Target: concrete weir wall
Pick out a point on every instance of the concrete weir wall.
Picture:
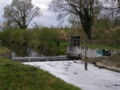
(77, 50)
(90, 52)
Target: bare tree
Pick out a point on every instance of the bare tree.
(20, 13)
(118, 4)
(86, 10)
(113, 7)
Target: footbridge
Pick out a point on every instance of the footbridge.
(40, 59)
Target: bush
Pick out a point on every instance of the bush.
(44, 40)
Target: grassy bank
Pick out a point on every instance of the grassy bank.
(100, 46)
(4, 49)
(16, 76)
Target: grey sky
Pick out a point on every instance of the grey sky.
(48, 18)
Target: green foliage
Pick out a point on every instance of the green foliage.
(4, 50)
(15, 36)
(100, 46)
(115, 34)
(103, 24)
(45, 40)
(16, 76)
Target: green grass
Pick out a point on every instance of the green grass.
(62, 48)
(16, 76)
(4, 50)
(64, 45)
(99, 46)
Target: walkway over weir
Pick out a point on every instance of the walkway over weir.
(40, 59)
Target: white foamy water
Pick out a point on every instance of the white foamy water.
(73, 72)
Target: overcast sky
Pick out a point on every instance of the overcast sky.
(48, 18)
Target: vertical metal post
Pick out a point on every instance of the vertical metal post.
(86, 64)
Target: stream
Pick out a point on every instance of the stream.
(73, 72)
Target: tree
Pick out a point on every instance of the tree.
(86, 10)
(115, 4)
(113, 8)
(74, 21)
(118, 4)
(20, 13)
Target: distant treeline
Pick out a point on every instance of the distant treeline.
(54, 41)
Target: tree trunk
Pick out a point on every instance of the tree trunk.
(118, 4)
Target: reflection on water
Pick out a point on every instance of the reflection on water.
(28, 53)
(21, 51)
(25, 51)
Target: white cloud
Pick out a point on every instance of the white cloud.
(42, 1)
(43, 4)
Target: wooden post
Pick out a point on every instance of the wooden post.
(86, 64)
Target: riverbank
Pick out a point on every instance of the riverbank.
(5, 52)
(111, 63)
(16, 76)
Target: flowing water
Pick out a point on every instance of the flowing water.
(74, 73)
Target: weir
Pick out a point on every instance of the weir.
(40, 59)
